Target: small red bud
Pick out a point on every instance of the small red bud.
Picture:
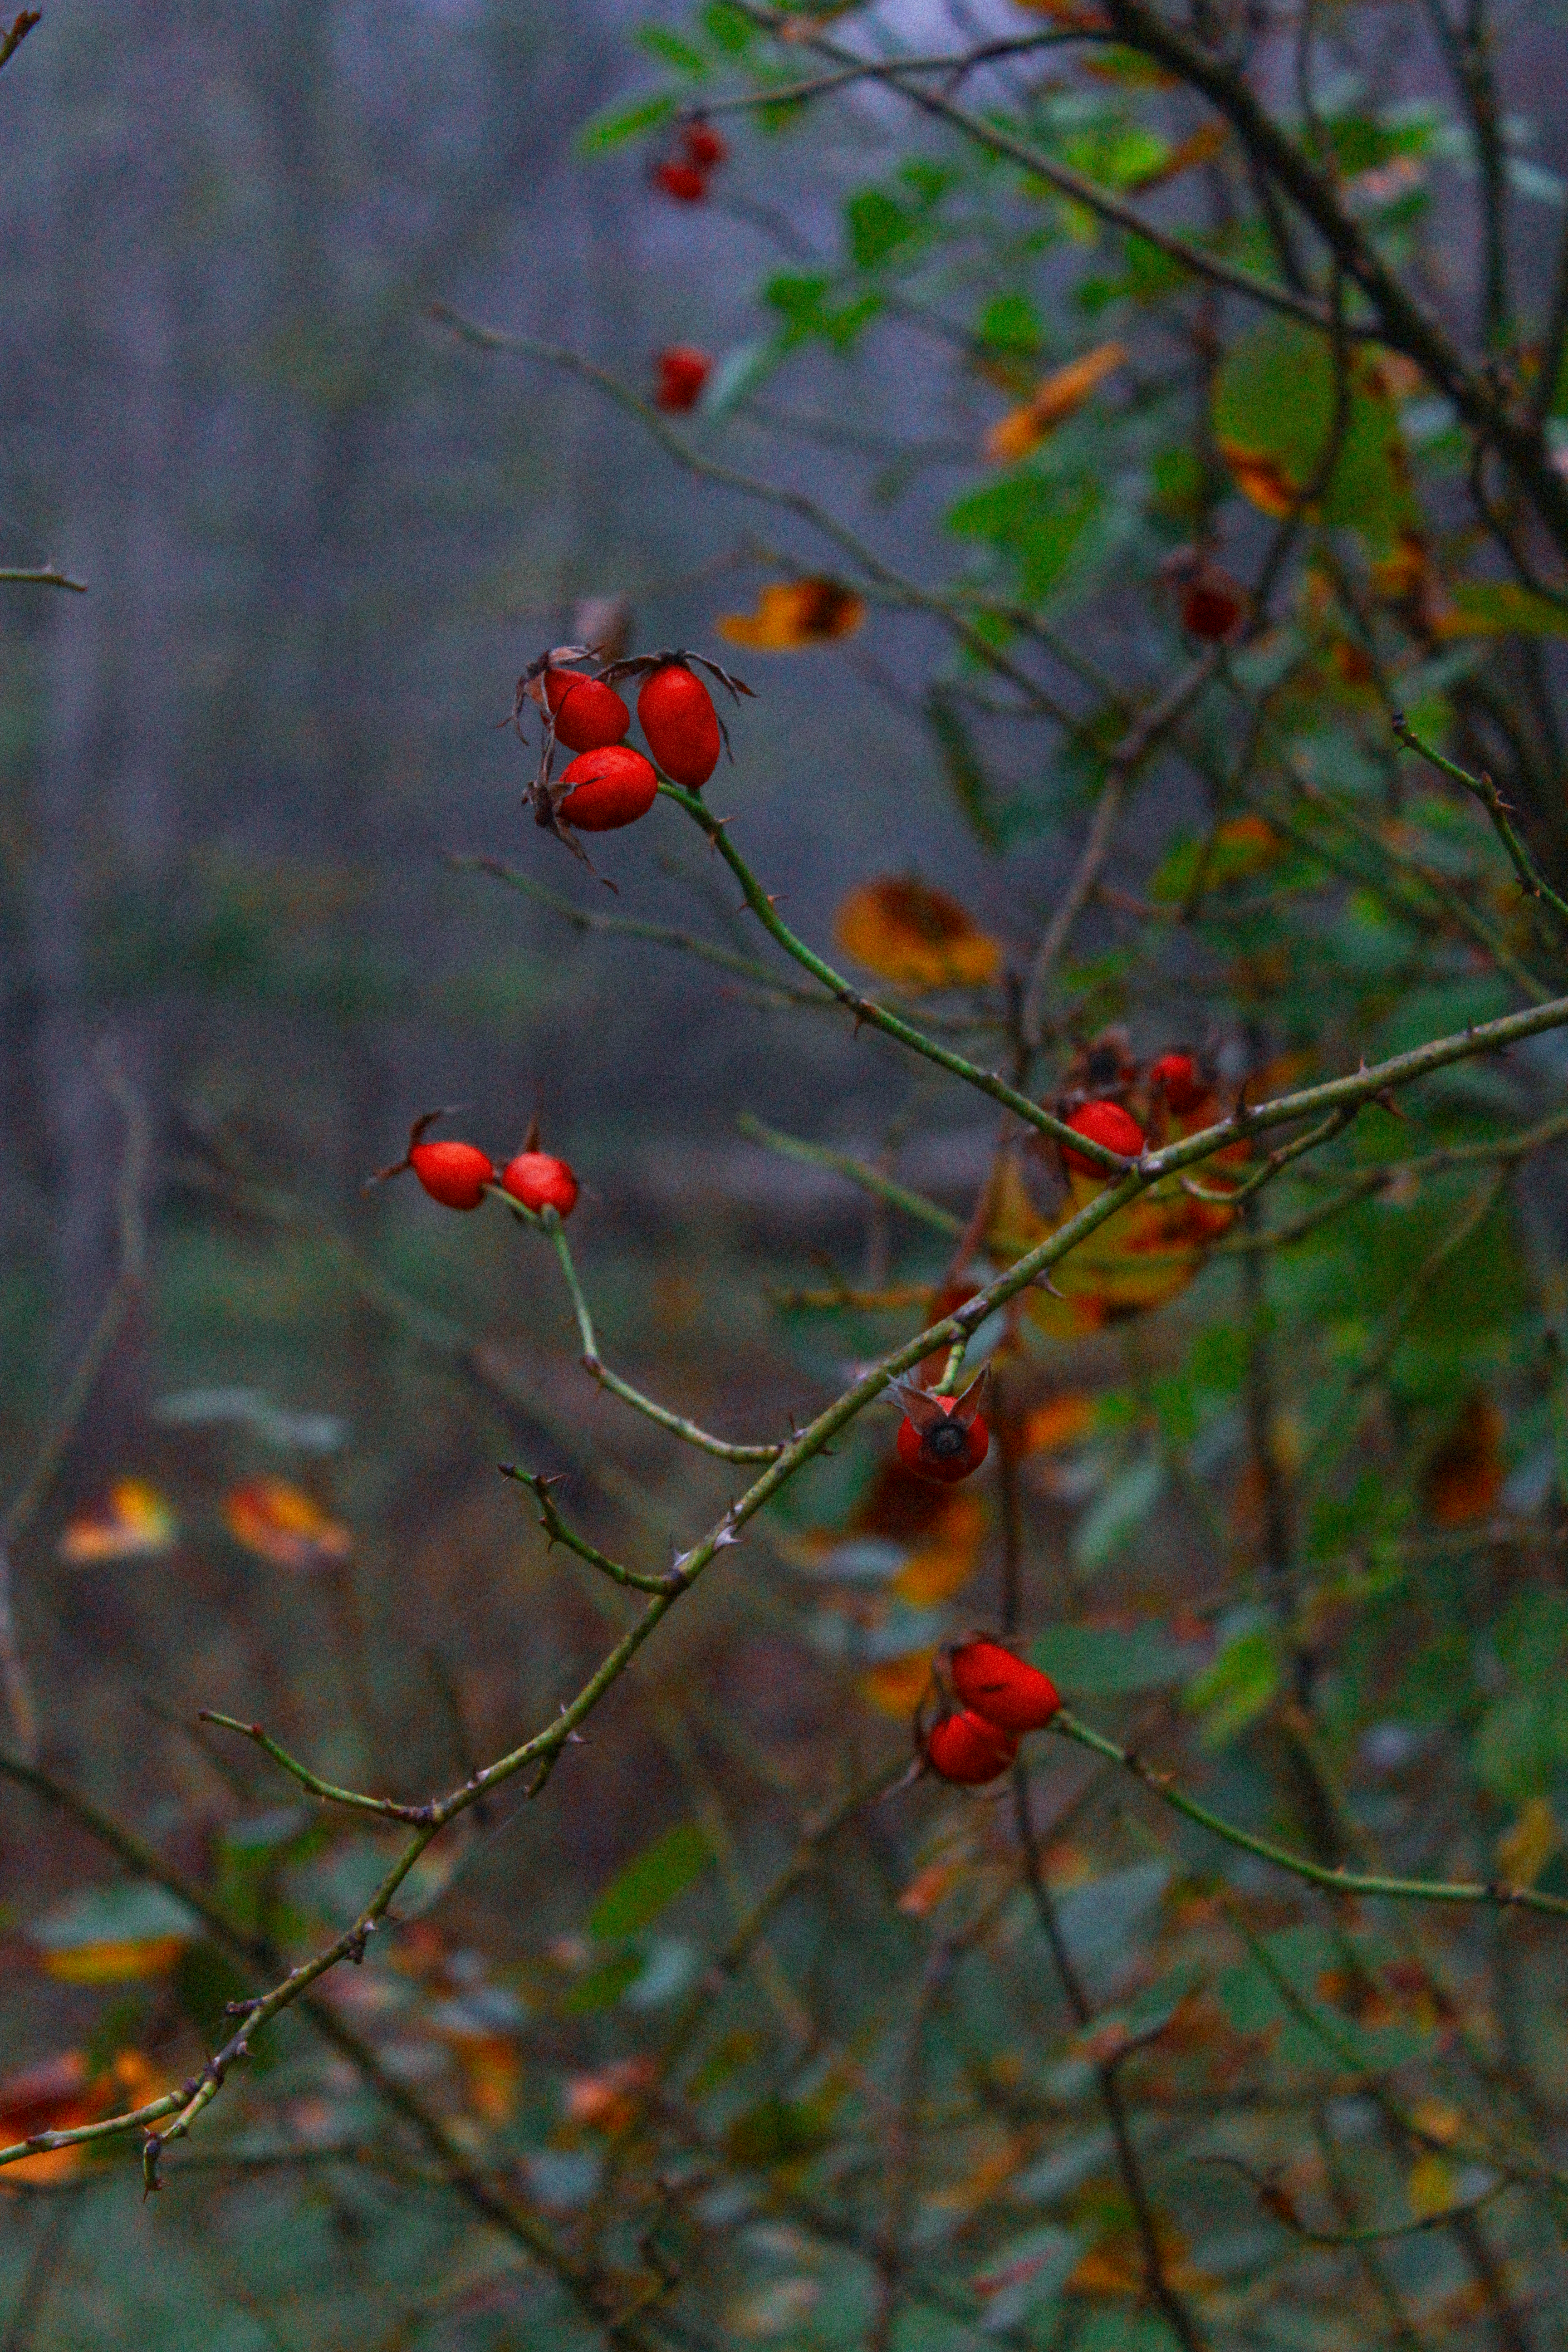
(946, 1452)
(1004, 1689)
(1178, 1077)
(681, 725)
(684, 182)
(608, 788)
(1106, 1123)
(704, 146)
(454, 1174)
(540, 1181)
(964, 1748)
(683, 371)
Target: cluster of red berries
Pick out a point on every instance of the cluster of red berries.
(997, 1697)
(608, 784)
(1174, 1078)
(459, 1174)
(685, 175)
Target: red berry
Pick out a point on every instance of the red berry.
(684, 182)
(608, 788)
(1177, 1076)
(1211, 608)
(540, 1181)
(704, 146)
(946, 1452)
(454, 1174)
(1106, 1123)
(681, 724)
(966, 1749)
(1006, 1690)
(589, 714)
(683, 371)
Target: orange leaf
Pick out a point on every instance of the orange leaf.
(1464, 1477)
(1260, 478)
(794, 613)
(609, 2101)
(914, 936)
(1051, 403)
(1060, 1422)
(945, 1563)
(927, 1887)
(134, 1522)
(1200, 147)
(282, 1524)
(897, 1687)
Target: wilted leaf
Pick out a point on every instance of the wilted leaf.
(777, 2131)
(61, 2094)
(914, 936)
(1432, 2186)
(284, 1525)
(134, 1522)
(927, 1887)
(1465, 1476)
(609, 2101)
(1242, 845)
(791, 614)
(487, 2060)
(1051, 404)
(113, 1935)
(1501, 608)
(1527, 1844)
(1275, 416)
(652, 1879)
(1116, 2268)
(944, 1561)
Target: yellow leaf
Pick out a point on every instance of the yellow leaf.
(491, 2071)
(791, 614)
(1438, 2120)
(282, 1524)
(126, 1960)
(134, 1522)
(1053, 401)
(897, 1687)
(1527, 1846)
(1432, 2186)
(914, 936)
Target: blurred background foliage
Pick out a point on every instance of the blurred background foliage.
(299, 304)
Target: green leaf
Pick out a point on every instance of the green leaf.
(607, 131)
(962, 767)
(1234, 1691)
(1011, 326)
(878, 224)
(1275, 412)
(132, 1912)
(670, 49)
(1118, 1513)
(809, 315)
(777, 2131)
(1095, 1661)
(727, 28)
(1503, 608)
(1035, 520)
(651, 1879)
(603, 1986)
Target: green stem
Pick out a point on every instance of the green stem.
(1531, 880)
(386, 1807)
(1334, 1880)
(558, 1531)
(869, 1180)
